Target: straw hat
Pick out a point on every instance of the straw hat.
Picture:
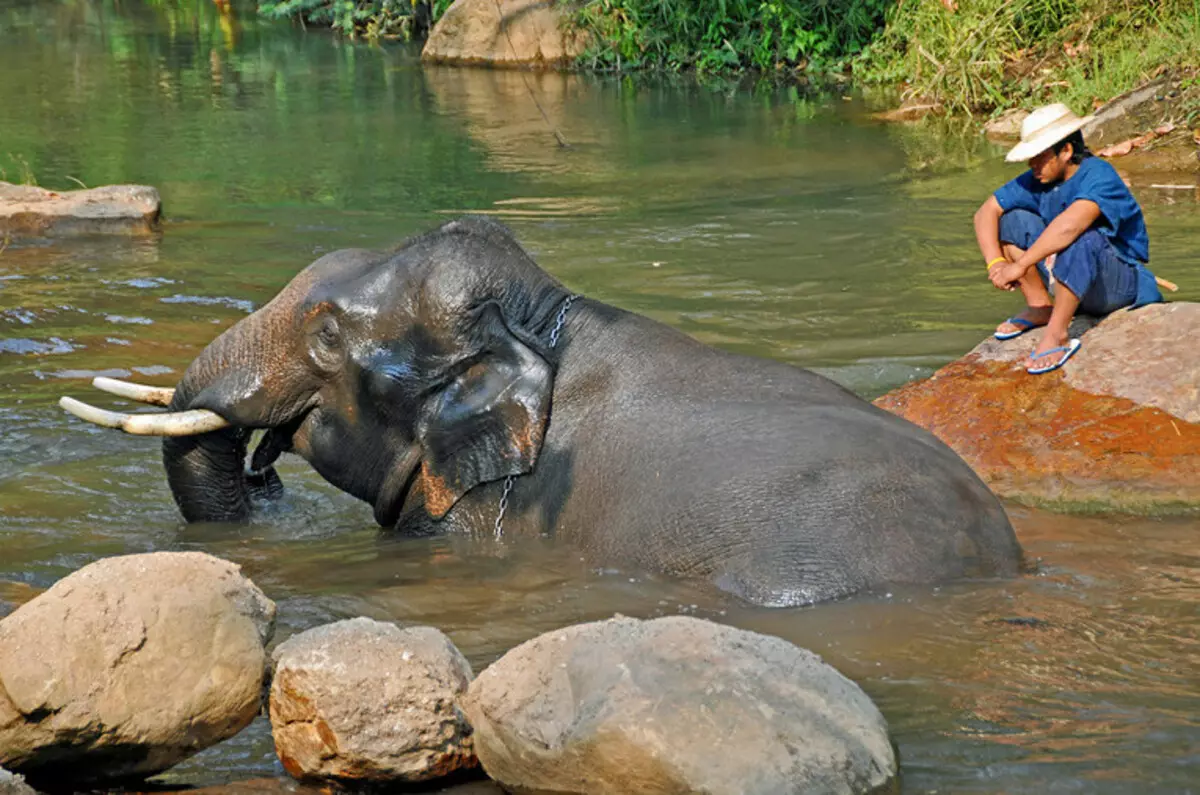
(1043, 128)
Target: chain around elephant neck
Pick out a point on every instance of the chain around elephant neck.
(508, 481)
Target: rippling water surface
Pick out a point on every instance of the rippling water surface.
(770, 221)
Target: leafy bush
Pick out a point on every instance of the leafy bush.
(727, 35)
(373, 19)
(993, 54)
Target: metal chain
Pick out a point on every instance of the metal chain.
(560, 320)
(508, 485)
(508, 481)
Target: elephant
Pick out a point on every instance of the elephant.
(455, 386)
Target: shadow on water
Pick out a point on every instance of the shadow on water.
(768, 221)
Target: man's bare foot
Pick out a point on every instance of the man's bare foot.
(1037, 315)
(1049, 342)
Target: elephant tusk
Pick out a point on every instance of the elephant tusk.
(154, 395)
(171, 423)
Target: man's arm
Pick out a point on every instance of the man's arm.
(987, 229)
(1060, 233)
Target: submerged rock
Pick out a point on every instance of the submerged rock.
(122, 209)
(675, 705)
(530, 33)
(129, 665)
(365, 702)
(1117, 428)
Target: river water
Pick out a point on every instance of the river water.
(774, 221)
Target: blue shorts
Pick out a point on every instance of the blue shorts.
(1089, 267)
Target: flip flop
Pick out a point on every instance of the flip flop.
(1025, 325)
(1067, 352)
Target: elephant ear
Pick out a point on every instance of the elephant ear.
(488, 422)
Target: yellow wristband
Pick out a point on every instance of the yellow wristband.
(995, 262)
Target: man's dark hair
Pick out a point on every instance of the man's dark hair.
(1079, 150)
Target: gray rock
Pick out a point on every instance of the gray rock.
(675, 705)
(1130, 114)
(1007, 124)
(129, 665)
(12, 784)
(124, 209)
(362, 701)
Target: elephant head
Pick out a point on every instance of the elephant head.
(405, 378)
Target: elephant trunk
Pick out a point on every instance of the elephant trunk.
(251, 377)
(206, 475)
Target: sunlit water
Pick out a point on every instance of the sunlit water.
(768, 221)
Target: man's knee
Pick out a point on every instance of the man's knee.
(1021, 228)
(1080, 258)
(1076, 267)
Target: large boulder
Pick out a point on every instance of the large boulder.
(675, 705)
(365, 702)
(129, 665)
(121, 209)
(505, 33)
(1117, 428)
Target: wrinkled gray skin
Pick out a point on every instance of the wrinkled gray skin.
(418, 379)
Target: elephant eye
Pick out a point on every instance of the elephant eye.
(327, 334)
(325, 345)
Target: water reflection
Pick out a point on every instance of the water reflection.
(768, 221)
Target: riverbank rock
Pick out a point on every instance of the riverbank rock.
(1007, 124)
(12, 784)
(910, 111)
(365, 702)
(129, 665)
(26, 210)
(1117, 428)
(1131, 113)
(674, 705)
(505, 33)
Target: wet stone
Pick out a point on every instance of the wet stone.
(27, 210)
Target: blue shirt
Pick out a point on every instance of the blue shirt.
(1095, 180)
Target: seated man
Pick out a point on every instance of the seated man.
(1068, 225)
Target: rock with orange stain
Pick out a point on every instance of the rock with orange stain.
(505, 33)
(367, 703)
(123, 209)
(1117, 428)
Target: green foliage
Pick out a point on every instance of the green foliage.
(372, 19)
(994, 54)
(23, 171)
(715, 36)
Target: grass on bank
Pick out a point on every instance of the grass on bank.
(714, 36)
(988, 55)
